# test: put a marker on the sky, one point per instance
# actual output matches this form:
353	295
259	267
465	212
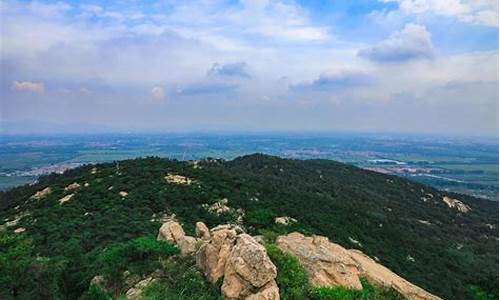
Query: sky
416	66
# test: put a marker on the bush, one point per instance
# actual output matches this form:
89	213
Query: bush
182	281
95	292
259	218
139	256
23	275
292	277
369	292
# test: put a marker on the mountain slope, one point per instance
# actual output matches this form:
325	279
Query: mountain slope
406	226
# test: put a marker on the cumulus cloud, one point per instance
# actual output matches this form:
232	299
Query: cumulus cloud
158	93
484	12
29	86
238	69
413	42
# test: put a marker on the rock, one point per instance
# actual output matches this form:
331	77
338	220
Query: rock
260	239
99	280
187	245
42	193
93	170
65	199
212	256
329	264
378	274
269	292
72	186
202	231
284	220
171	231
123	194
247	270
218	208
178	179
20	230
326	263
136	291
456	204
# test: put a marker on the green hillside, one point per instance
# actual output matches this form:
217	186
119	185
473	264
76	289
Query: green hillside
405	225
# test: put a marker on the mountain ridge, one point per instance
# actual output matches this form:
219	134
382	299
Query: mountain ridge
417	235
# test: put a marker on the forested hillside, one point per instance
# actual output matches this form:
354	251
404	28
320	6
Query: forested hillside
62	231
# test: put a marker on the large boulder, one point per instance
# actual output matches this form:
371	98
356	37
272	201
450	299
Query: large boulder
329	264
202	231
326	263
248	271
212	256
171	231
380	275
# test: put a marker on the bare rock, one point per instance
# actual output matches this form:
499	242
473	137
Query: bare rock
65	199
456	204
284	220
329	264
269	292
202	231
171	231
248	269
136	291
187	245
212	256
42	193
378	274
73	186
326	263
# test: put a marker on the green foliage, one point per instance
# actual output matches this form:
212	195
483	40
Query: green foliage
369	292
95	292
292	278
23	275
261	217
477	293
327	198
182	281
138	256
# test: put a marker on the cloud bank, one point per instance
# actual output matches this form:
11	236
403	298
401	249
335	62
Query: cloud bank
253	65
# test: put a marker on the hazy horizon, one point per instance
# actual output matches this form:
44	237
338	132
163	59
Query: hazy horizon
374	65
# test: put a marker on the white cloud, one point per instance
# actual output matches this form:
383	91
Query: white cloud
158	93
484	12
412	42
34	87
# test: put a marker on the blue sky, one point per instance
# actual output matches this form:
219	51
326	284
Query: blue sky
368	65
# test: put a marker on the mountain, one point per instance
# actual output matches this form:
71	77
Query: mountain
74	226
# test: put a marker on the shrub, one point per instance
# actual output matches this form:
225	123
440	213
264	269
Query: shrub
292	277
369	292
138	256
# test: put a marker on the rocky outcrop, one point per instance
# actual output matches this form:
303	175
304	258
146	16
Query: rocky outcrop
380	275
202	231
326	263
329	264
243	264
73	186
212	256
42	193
65	199
249	271
135	292
171	231
284	220
456	204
